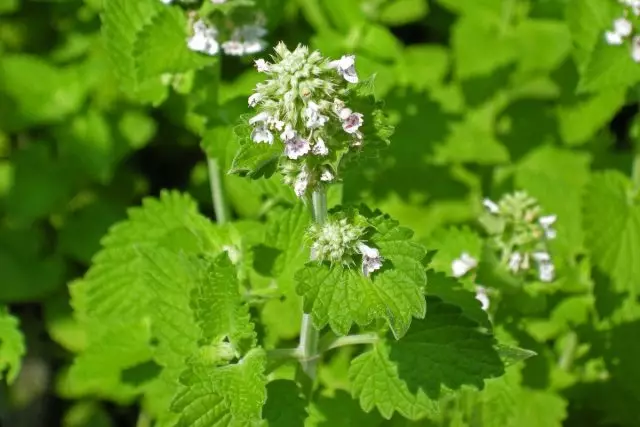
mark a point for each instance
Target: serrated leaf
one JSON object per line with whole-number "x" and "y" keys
{"x": 161, "y": 46}
{"x": 256, "y": 160}
{"x": 612, "y": 228}
{"x": 229, "y": 396}
{"x": 284, "y": 239}
{"x": 122, "y": 25}
{"x": 12, "y": 346}
{"x": 340, "y": 296}
{"x": 451, "y": 291}
{"x": 441, "y": 353}
{"x": 218, "y": 306}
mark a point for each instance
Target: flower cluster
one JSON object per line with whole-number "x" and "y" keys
{"x": 622, "y": 28}
{"x": 243, "y": 32}
{"x": 521, "y": 234}
{"x": 340, "y": 241}
{"x": 302, "y": 105}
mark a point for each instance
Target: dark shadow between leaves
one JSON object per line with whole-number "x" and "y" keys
{"x": 141, "y": 373}
{"x": 445, "y": 350}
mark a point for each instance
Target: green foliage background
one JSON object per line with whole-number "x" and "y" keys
{"x": 101, "y": 105}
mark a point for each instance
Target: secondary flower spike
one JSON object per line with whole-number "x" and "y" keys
{"x": 303, "y": 103}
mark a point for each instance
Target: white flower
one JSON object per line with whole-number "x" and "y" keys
{"x": 261, "y": 65}
{"x": 313, "y": 116}
{"x": 546, "y": 222}
{"x": 296, "y": 147}
{"x": 344, "y": 113}
{"x": 326, "y": 176}
{"x": 260, "y": 117}
{"x": 261, "y": 134}
{"x": 254, "y": 99}
{"x": 232, "y": 252}
{"x": 546, "y": 271}
{"x": 542, "y": 256}
{"x": 491, "y": 206}
{"x": 166, "y": 1}
{"x": 514, "y": 261}
{"x": 203, "y": 39}
{"x": 633, "y": 4}
{"x": 233, "y": 48}
{"x": 635, "y": 48}
{"x": 622, "y": 28}
{"x": 483, "y": 297}
{"x": 218, "y": 1}
{"x": 346, "y": 67}
{"x": 288, "y": 133}
{"x": 320, "y": 148}
{"x": 301, "y": 183}
{"x": 371, "y": 259}
{"x": 464, "y": 264}
{"x": 352, "y": 123}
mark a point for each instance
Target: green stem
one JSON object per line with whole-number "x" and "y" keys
{"x": 309, "y": 335}
{"x": 568, "y": 352}
{"x": 217, "y": 191}
{"x": 331, "y": 341}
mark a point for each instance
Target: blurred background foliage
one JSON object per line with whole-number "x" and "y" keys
{"x": 486, "y": 96}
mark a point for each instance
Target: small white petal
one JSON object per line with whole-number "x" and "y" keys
{"x": 262, "y": 66}
{"x": 254, "y": 99}
{"x": 345, "y": 66}
{"x": 635, "y": 49}
{"x": 253, "y": 46}
{"x": 514, "y": 261}
{"x": 260, "y": 117}
{"x": 541, "y": 256}
{"x": 483, "y": 297}
{"x": 613, "y": 38}
{"x": 301, "y": 183}
{"x": 233, "y": 48}
{"x": 262, "y": 134}
{"x": 288, "y": 133}
{"x": 326, "y": 176}
{"x": 464, "y": 264}
{"x": 491, "y": 206}
{"x": 547, "y": 221}
{"x": 320, "y": 148}
{"x": 344, "y": 113}
{"x": 352, "y": 123}
{"x": 296, "y": 147}
{"x": 546, "y": 272}
{"x": 623, "y": 27}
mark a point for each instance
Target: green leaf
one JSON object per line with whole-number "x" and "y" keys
{"x": 587, "y": 20}
{"x": 610, "y": 67}
{"x": 218, "y": 306}
{"x": 229, "y": 396}
{"x": 401, "y": 12}
{"x": 285, "y": 407}
{"x": 441, "y": 353}
{"x": 60, "y": 92}
{"x": 557, "y": 177}
{"x": 451, "y": 291}
{"x": 161, "y": 46}
{"x": 252, "y": 159}
{"x": 338, "y": 409}
{"x": 340, "y": 296}
{"x": 12, "y": 346}
{"x": 122, "y": 24}
{"x": 449, "y": 243}
{"x": 284, "y": 240}
{"x": 512, "y": 355}
{"x": 612, "y": 228}
{"x": 581, "y": 119}
{"x": 542, "y": 44}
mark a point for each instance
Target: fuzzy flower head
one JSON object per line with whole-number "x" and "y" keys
{"x": 343, "y": 240}
{"x": 520, "y": 232}
{"x": 302, "y": 105}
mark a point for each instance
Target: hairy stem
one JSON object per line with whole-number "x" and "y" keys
{"x": 309, "y": 335}
{"x": 217, "y": 191}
